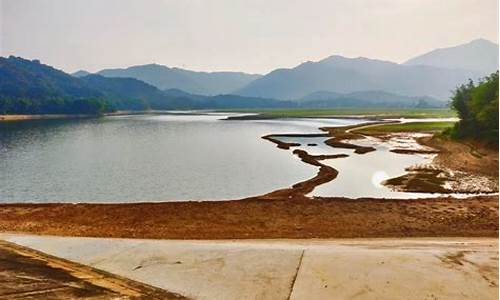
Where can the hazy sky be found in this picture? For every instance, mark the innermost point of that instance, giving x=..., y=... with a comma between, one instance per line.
x=237, y=35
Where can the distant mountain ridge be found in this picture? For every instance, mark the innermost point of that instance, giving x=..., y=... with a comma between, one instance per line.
x=203, y=83
x=478, y=55
x=28, y=86
x=80, y=73
x=346, y=75
x=435, y=74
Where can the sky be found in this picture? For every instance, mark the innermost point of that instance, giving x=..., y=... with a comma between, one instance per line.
x=235, y=35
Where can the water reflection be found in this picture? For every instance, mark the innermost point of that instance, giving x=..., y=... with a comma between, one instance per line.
x=147, y=158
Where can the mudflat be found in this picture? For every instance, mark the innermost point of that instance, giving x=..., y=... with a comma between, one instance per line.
x=298, y=217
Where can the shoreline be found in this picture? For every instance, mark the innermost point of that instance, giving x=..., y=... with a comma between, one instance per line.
x=9, y=118
x=283, y=213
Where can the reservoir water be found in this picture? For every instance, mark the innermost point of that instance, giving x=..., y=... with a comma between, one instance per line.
x=148, y=158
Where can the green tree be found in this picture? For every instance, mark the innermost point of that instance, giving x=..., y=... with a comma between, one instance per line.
x=477, y=108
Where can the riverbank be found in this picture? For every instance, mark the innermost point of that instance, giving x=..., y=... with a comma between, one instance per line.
x=466, y=166
x=285, y=213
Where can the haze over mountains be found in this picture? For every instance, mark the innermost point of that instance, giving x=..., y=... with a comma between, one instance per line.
x=326, y=99
x=426, y=81
x=432, y=74
x=346, y=75
x=478, y=55
x=205, y=83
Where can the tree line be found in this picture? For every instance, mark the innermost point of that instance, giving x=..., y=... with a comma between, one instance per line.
x=56, y=105
x=477, y=107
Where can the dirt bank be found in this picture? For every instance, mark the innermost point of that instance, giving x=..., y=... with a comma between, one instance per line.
x=260, y=218
x=457, y=167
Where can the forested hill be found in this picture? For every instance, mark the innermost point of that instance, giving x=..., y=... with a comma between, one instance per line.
x=30, y=87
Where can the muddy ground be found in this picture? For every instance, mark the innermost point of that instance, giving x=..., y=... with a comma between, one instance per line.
x=258, y=218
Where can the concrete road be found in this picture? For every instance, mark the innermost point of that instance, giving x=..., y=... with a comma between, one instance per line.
x=424, y=268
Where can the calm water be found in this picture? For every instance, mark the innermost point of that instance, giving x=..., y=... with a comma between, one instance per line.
x=361, y=175
x=147, y=158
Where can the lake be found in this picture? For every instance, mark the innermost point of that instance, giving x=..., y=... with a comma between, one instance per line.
x=148, y=158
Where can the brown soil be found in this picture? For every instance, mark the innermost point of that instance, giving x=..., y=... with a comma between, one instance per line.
x=29, y=274
x=420, y=180
x=260, y=218
x=456, y=163
x=299, y=190
x=413, y=151
x=469, y=156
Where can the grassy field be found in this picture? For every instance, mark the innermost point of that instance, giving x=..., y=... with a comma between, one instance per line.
x=408, y=127
x=340, y=112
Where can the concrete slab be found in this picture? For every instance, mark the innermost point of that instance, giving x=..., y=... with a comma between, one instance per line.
x=29, y=274
x=397, y=274
x=451, y=268
x=198, y=270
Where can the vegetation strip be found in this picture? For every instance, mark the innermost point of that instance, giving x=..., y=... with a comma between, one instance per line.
x=364, y=113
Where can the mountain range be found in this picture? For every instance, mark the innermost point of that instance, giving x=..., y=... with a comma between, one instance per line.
x=346, y=75
x=28, y=86
x=478, y=55
x=432, y=74
x=163, y=77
